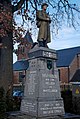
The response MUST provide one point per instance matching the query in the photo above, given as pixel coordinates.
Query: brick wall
(75, 64)
(73, 67)
(79, 61)
(15, 77)
(67, 73)
(64, 74)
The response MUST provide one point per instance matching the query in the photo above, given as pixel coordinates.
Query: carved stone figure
(43, 23)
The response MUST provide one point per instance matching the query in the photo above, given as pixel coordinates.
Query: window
(59, 74)
(21, 76)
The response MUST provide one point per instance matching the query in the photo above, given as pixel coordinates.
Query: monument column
(42, 97)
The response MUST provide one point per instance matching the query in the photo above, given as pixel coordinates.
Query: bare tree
(60, 10)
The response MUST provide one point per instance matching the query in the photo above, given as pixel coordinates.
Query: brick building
(68, 65)
(19, 67)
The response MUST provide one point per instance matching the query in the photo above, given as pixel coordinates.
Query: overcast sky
(67, 37)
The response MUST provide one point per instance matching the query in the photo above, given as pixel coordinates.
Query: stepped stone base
(22, 116)
(19, 115)
(43, 108)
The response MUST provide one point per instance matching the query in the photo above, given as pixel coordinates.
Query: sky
(67, 37)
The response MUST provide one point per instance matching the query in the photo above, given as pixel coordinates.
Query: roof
(76, 77)
(28, 38)
(65, 56)
(20, 65)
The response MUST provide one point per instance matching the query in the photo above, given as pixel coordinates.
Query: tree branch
(19, 5)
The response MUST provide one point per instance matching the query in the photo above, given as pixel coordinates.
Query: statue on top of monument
(43, 23)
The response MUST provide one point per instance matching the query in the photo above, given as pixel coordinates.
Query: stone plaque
(29, 107)
(43, 108)
(31, 85)
(49, 54)
(51, 108)
(42, 52)
(49, 86)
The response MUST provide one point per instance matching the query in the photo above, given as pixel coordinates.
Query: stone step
(19, 115)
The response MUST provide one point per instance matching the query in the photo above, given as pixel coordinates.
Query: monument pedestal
(42, 98)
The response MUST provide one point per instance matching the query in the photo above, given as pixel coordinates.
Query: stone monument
(42, 98)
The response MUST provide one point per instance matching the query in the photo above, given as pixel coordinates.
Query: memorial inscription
(49, 83)
(29, 107)
(44, 107)
(51, 107)
(31, 83)
(49, 54)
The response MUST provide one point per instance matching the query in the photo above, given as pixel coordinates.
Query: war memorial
(42, 97)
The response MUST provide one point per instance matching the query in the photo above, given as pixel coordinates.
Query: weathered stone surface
(19, 115)
(42, 96)
(42, 108)
(29, 117)
(42, 52)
